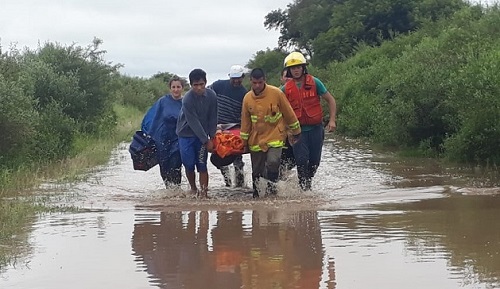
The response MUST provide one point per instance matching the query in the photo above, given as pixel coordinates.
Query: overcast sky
(147, 36)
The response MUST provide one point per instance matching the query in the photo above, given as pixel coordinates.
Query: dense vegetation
(431, 85)
(56, 97)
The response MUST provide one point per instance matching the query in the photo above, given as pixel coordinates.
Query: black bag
(143, 151)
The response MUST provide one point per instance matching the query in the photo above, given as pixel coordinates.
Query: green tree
(17, 121)
(331, 30)
(271, 61)
(90, 103)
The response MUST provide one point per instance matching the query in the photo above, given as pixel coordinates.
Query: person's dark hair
(257, 73)
(196, 75)
(176, 78)
(285, 69)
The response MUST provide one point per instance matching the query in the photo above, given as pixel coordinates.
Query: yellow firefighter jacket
(264, 118)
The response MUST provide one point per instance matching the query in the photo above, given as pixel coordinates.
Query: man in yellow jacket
(264, 116)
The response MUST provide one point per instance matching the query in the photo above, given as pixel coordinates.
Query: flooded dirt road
(372, 221)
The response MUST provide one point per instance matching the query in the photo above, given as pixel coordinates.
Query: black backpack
(143, 151)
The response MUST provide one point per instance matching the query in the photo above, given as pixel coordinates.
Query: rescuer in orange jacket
(304, 92)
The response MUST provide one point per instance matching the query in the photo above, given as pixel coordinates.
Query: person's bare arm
(332, 108)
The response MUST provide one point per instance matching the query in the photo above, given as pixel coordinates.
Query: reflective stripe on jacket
(264, 118)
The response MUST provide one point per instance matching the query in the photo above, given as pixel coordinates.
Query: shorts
(193, 154)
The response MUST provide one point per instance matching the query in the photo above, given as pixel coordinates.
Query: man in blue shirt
(230, 93)
(196, 128)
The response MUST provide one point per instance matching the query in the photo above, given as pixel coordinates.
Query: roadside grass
(19, 202)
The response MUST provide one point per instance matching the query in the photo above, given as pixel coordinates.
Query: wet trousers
(307, 152)
(266, 165)
(170, 163)
(239, 177)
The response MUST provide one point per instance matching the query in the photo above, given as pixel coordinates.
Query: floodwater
(371, 221)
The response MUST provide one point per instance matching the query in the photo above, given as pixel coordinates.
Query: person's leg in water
(170, 168)
(258, 160)
(239, 174)
(287, 162)
(273, 157)
(201, 166)
(203, 184)
(188, 150)
(191, 176)
(316, 140)
(307, 153)
(226, 173)
(301, 153)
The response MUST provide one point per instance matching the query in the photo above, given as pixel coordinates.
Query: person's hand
(331, 126)
(210, 145)
(294, 139)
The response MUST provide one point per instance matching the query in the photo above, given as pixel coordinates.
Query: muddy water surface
(372, 221)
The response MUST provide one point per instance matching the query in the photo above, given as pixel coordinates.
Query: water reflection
(454, 242)
(467, 226)
(232, 249)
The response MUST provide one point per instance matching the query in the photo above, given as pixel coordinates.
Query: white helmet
(236, 71)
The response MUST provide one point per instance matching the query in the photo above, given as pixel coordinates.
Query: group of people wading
(280, 127)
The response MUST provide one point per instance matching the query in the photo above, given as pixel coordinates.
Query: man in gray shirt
(196, 128)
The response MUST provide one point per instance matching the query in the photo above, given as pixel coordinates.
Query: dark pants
(169, 159)
(266, 165)
(307, 152)
(287, 159)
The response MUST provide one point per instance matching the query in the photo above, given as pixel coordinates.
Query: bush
(17, 121)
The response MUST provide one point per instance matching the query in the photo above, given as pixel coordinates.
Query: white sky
(147, 36)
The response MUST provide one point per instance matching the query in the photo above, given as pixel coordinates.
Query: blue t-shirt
(229, 101)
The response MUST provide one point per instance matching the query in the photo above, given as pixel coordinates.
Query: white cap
(236, 71)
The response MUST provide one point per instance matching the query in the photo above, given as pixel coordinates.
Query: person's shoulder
(188, 96)
(210, 93)
(248, 95)
(317, 80)
(242, 88)
(223, 81)
(273, 88)
(219, 83)
(165, 97)
(161, 100)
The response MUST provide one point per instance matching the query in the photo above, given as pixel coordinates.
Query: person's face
(297, 71)
(257, 84)
(236, 81)
(176, 88)
(284, 79)
(199, 86)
